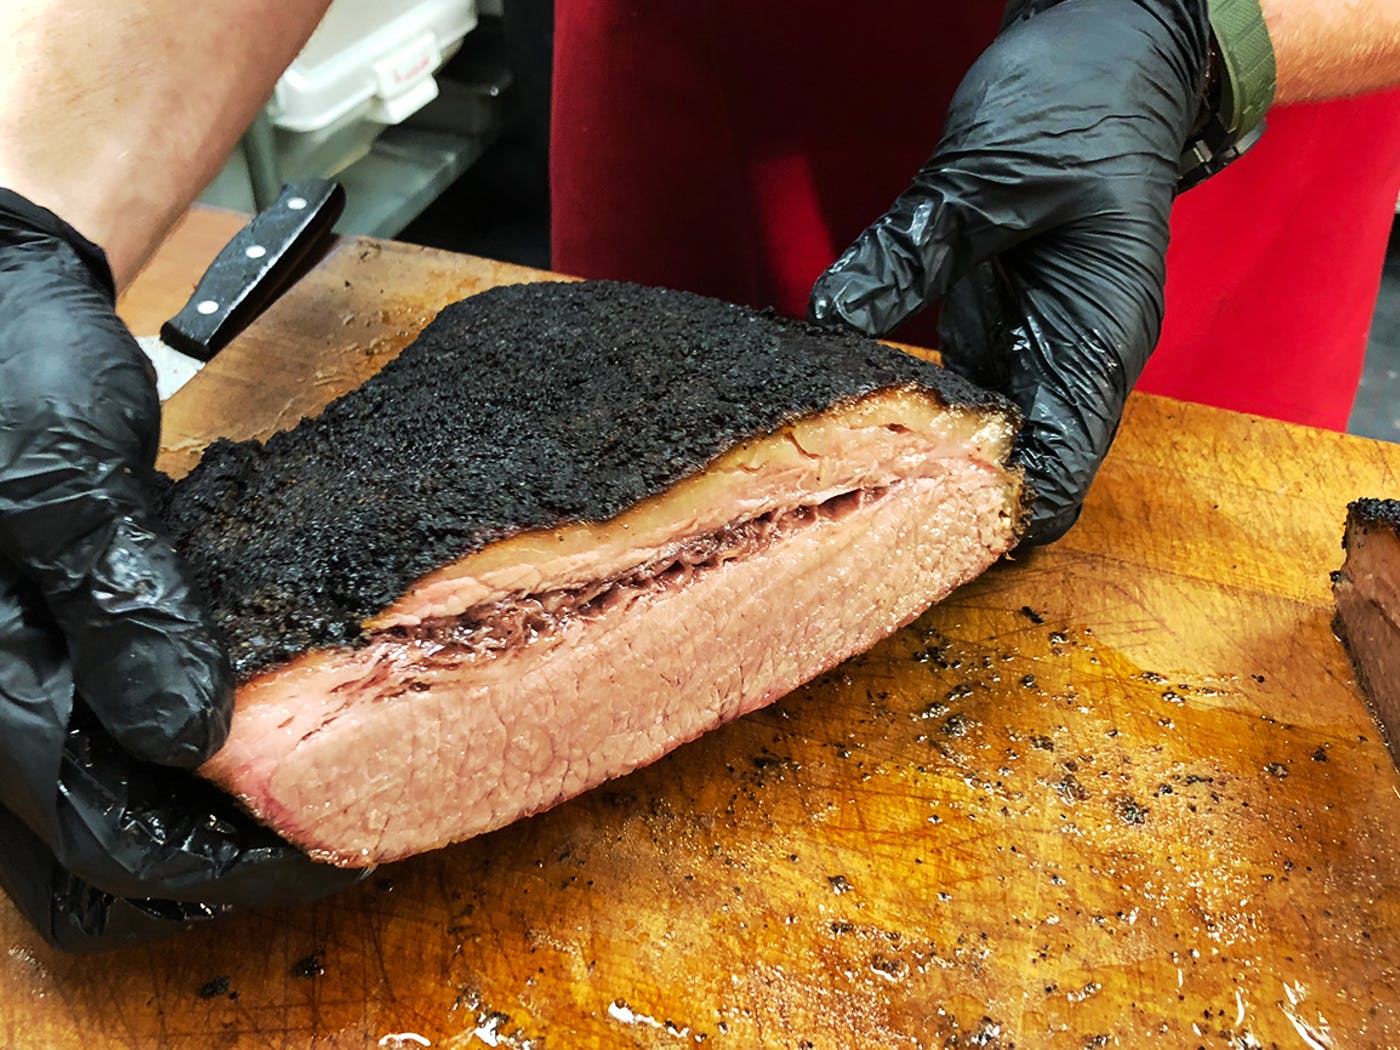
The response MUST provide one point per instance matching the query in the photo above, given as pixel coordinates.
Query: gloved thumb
(960, 211)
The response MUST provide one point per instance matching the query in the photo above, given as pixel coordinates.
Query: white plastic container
(370, 64)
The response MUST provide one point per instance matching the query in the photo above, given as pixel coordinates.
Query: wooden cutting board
(1119, 792)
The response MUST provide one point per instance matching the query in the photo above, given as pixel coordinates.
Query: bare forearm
(1333, 48)
(115, 116)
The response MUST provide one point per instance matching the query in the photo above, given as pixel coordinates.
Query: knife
(247, 276)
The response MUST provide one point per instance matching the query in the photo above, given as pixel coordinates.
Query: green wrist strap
(1247, 61)
(1247, 78)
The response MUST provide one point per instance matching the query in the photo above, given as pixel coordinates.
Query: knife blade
(247, 276)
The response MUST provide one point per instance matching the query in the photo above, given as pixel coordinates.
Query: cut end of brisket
(570, 528)
(1367, 592)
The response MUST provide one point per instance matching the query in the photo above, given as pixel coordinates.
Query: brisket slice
(1367, 591)
(570, 528)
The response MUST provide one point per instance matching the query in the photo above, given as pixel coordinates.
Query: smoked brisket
(572, 526)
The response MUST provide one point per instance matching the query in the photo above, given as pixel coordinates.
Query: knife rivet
(297, 203)
(255, 251)
(207, 306)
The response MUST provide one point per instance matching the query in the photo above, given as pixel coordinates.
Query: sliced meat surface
(1367, 591)
(572, 527)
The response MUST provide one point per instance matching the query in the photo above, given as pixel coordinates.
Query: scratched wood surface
(1121, 792)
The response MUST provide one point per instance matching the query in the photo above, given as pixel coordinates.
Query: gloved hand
(1042, 217)
(112, 683)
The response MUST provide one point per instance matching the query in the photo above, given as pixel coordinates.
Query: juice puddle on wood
(1023, 842)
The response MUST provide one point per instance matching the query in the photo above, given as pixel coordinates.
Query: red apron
(734, 147)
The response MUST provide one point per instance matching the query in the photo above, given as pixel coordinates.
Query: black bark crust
(1374, 512)
(521, 408)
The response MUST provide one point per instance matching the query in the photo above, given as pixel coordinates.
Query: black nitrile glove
(1042, 217)
(112, 685)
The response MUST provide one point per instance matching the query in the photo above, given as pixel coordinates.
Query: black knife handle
(253, 269)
